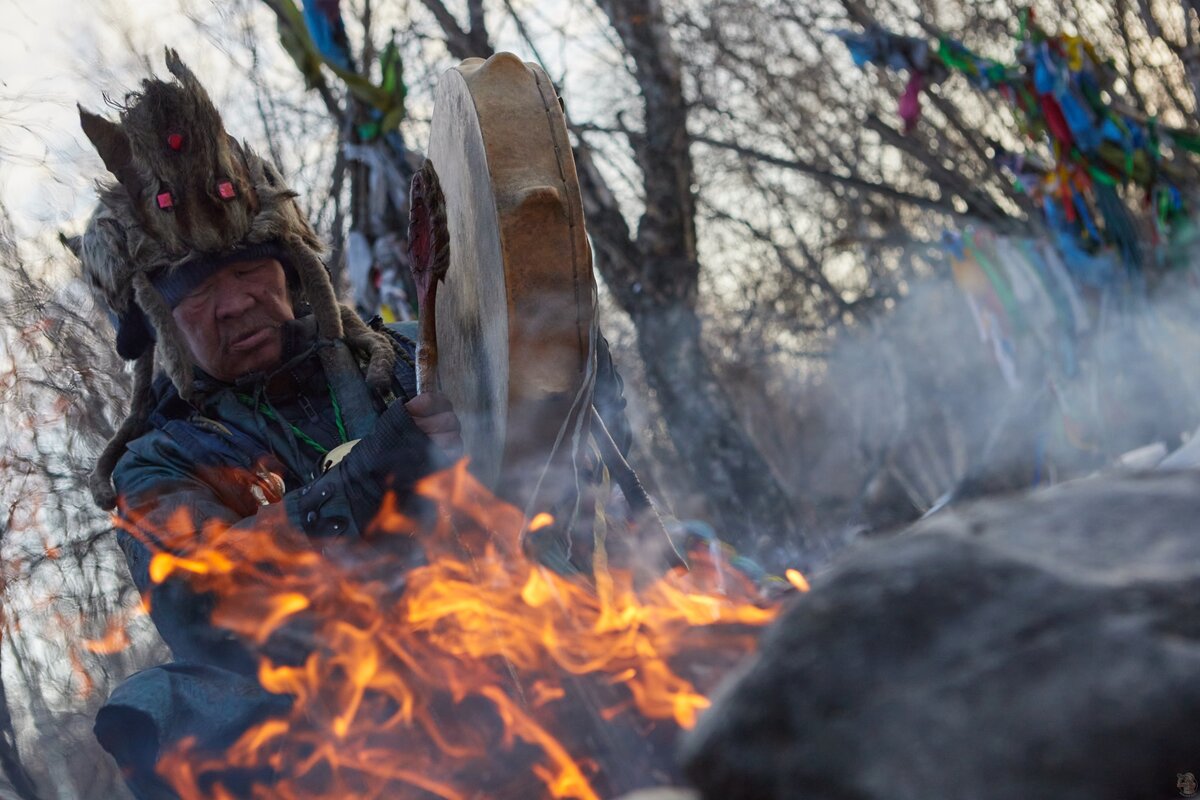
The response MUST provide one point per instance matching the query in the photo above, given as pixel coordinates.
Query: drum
(515, 315)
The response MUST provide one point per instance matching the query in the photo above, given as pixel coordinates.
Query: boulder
(1037, 646)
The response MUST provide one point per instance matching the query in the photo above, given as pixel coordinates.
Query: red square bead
(226, 190)
(165, 200)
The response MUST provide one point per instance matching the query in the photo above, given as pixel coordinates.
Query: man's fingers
(434, 415)
(445, 422)
(428, 404)
(449, 442)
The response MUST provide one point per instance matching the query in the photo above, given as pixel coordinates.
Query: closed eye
(198, 292)
(250, 269)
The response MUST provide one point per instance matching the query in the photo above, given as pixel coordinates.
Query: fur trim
(317, 288)
(105, 258)
(172, 351)
(381, 355)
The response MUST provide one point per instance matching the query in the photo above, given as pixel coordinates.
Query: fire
(439, 661)
(797, 579)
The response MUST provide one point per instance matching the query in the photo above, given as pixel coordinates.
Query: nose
(231, 297)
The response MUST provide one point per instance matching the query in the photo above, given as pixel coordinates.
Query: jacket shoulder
(155, 451)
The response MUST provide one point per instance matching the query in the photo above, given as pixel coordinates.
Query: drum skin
(516, 310)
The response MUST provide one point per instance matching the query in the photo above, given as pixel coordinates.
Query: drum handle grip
(427, 350)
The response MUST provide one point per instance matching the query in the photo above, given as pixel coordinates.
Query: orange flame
(797, 579)
(462, 677)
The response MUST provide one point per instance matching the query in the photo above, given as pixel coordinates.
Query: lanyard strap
(267, 412)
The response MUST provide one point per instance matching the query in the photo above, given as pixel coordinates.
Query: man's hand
(435, 416)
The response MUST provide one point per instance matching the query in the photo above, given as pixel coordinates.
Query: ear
(109, 140)
(177, 68)
(113, 146)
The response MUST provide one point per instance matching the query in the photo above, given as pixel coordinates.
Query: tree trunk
(655, 277)
(724, 464)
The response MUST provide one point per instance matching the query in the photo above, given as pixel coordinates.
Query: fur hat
(188, 198)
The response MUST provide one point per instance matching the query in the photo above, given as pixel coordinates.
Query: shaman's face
(232, 321)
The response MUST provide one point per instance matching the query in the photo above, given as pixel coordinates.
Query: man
(258, 400)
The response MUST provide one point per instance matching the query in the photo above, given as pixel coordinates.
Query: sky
(39, 79)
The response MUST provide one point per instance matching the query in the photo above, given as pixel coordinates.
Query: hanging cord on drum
(631, 486)
(583, 421)
(575, 423)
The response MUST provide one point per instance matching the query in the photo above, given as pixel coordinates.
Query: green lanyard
(301, 435)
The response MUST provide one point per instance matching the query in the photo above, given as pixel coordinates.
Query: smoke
(953, 395)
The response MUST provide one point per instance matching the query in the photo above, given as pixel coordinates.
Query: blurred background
(856, 259)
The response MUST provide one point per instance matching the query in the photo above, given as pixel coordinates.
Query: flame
(466, 672)
(797, 579)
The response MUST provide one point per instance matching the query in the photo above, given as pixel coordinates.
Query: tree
(70, 624)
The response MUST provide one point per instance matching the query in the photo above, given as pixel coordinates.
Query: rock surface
(1040, 646)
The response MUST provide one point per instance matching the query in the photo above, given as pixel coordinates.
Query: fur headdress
(187, 198)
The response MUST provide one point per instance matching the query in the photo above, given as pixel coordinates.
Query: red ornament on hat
(165, 201)
(175, 141)
(226, 190)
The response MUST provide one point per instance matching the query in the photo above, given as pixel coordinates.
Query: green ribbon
(266, 411)
(1101, 176)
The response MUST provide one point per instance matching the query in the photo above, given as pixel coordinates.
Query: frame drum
(516, 311)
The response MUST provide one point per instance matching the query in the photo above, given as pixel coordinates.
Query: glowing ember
(462, 671)
(797, 579)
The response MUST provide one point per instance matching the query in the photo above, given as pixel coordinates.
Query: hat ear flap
(314, 279)
(134, 333)
(100, 480)
(173, 354)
